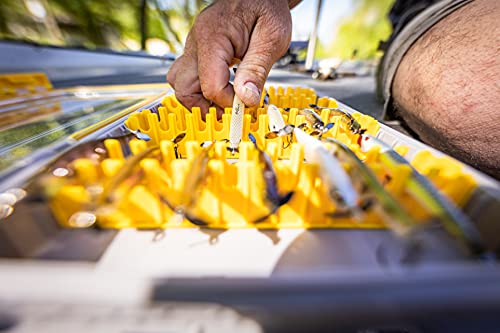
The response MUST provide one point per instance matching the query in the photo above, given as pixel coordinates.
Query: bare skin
(256, 32)
(448, 84)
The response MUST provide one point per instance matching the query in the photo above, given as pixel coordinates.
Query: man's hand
(257, 32)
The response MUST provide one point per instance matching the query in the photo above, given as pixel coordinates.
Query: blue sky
(331, 13)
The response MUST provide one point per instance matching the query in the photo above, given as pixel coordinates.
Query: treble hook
(176, 141)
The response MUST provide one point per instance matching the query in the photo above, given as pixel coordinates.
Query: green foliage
(361, 31)
(98, 23)
(111, 23)
(173, 23)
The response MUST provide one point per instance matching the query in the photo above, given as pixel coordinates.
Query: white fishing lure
(236, 127)
(276, 122)
(331, 170)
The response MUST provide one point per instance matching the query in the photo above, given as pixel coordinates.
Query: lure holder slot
(233, 188)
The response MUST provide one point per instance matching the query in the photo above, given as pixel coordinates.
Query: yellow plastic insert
(447, 174)
(23, 84)
(232, 191)
(172, 118)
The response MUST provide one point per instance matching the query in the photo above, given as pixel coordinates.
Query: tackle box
(345, 278)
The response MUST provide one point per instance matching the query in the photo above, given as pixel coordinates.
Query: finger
(171, 74)
(219, 111)
(187, 86)
(180, 61)
(264, 49)
(214, 59)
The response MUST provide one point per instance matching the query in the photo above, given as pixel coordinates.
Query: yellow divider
(231, 192)
(23, 84)
(447, 175)
(172, 118)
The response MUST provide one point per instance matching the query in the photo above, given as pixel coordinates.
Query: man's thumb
(252, 74)
(269, 41)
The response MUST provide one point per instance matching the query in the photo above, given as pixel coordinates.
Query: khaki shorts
(403, 42)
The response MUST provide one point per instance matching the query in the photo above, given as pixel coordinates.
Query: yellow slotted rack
(232, 189)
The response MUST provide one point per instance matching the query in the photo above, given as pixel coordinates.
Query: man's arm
(257, 33)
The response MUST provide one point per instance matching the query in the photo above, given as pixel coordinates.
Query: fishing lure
(189, 194)
(331, 170)
(353, 124)
(452, 218)
(128, 167)
(198, 174)
(176, 141)
(272, 194)
(315, 121)
(396, 218)
(277, 126)
(335, 176)
(139, 135)
(236, 127)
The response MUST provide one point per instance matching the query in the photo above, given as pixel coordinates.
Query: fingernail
(252, 92)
